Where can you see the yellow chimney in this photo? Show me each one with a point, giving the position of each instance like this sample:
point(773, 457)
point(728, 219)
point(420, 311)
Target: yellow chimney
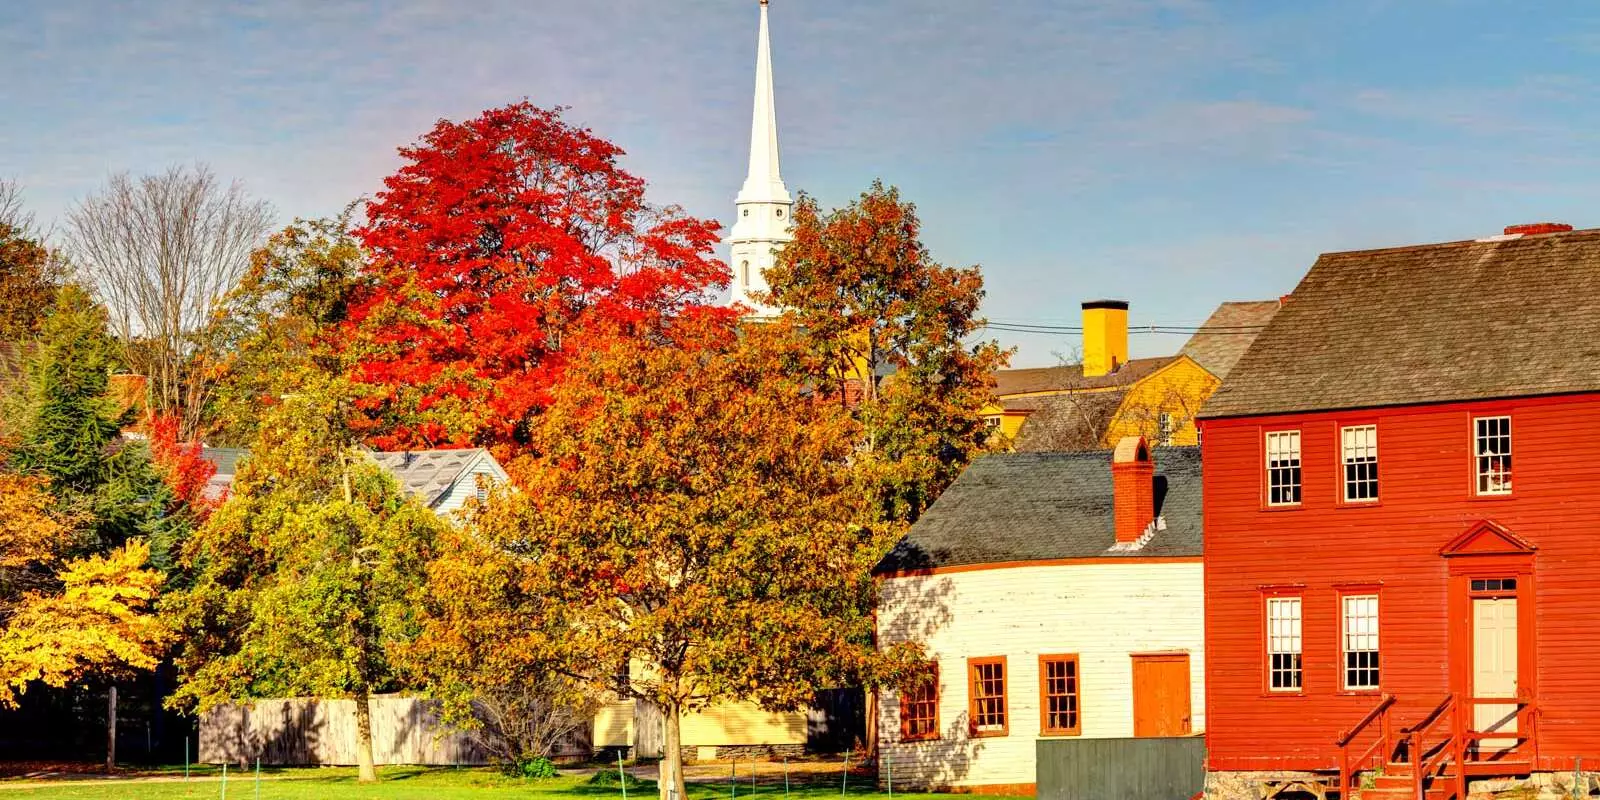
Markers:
point(1105, 336)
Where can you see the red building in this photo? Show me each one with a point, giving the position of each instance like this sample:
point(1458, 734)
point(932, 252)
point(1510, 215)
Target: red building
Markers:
point(1402, 516)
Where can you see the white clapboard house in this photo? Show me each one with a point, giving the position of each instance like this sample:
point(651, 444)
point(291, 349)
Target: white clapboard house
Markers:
point(1057, 595)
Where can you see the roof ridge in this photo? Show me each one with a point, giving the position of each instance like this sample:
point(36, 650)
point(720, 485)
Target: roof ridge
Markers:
point(1460, 242)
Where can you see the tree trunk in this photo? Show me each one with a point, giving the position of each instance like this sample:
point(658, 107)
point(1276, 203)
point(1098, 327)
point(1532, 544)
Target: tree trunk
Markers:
point(671, 778)
point(871, 720)
point(367, 773)
point(111, 729)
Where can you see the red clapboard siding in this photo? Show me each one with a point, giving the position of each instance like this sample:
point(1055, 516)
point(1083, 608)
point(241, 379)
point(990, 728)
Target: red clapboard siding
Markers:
point(1425, 475)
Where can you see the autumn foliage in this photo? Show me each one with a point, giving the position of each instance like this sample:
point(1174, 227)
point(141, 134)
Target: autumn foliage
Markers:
point(693, 516)
point(497, 242)
point(182, 465)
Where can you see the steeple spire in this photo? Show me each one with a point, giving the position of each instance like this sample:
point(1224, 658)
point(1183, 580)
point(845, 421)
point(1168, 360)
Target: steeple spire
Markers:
point(762, 224)
point(764, 183)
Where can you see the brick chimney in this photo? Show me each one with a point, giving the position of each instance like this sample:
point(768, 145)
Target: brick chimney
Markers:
point(1105, 336)
point(1133, 503)
point(1534, 228)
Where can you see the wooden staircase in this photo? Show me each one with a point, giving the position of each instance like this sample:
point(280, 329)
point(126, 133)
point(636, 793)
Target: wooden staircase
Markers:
point(1432, 759)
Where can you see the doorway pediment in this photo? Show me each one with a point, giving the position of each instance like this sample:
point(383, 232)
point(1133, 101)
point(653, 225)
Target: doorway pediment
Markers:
point(1487, 538)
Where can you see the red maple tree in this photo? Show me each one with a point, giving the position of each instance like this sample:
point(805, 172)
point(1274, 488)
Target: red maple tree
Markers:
point(493, 249)
point(182, 465)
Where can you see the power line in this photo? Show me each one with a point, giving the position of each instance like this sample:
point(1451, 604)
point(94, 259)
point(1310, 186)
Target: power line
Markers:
point(1219, 330)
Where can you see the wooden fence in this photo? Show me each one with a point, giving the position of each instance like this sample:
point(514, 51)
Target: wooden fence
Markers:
point(302, 731)
point(1126, 769)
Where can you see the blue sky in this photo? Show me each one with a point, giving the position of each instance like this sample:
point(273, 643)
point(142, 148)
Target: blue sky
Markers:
point(1175, 153)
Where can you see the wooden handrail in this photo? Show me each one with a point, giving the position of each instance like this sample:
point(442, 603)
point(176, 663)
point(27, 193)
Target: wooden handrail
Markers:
point(1377, 711)
point(1433, 716)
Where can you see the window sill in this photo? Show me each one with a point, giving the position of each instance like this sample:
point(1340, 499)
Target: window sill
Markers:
point(916, 739)
point(1299, 693)
point(1491, 498)
point(1360, 504)
point(1359, 692)
point(1295, 507)
point(988, 734)
point(1059, 734)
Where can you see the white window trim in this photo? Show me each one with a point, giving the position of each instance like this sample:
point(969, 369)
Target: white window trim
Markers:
point(1365, 449)
point(1483, 482)
point(1291, 449)
point(1372, 637)
point(1286, 636)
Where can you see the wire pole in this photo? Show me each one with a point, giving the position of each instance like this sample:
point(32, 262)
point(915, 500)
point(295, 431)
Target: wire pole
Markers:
point(785, 778)
point(844, 775)
point(622, 777)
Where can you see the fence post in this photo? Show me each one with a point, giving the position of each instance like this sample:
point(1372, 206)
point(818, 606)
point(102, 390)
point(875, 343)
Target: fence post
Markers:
point(224, 780)
point(844, 775)
point(622, 777)
point(752, 777)
point(785, 778)
point(733, 779)
point(258, 777)
point(186, 758)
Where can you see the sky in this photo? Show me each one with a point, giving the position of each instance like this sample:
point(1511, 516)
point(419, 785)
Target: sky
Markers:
point(1172, 153)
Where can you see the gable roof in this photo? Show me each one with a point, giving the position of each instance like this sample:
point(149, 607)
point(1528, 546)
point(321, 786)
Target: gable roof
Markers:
point(1503, 317)
point(1225, 335)
point(1069, 377)
point(1041, 506)
point(1072, 421)
point(428, 474)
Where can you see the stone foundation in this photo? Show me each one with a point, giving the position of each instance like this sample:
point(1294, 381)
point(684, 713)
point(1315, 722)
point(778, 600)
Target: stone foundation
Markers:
point(1538, 786)
point(743, 752)
point(1247, 785)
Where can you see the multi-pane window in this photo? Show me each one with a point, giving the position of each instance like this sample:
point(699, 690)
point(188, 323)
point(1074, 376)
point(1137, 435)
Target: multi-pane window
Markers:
point(988, 711)
point(1494, 584)
point(1361, 641)
point(1058, 693)
point(1167, 425)
point(1283, 468)
point(1492, 445)
point(919, 708)
point(1360, 445)
point(1283, 644)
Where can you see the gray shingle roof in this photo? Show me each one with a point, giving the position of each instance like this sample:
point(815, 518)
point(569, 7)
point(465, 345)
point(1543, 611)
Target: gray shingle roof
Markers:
point(1507, 317)
point(1073, 421)
point(428, 474)
point(1225, 336)
point(1046, 379)
point(1036, 506)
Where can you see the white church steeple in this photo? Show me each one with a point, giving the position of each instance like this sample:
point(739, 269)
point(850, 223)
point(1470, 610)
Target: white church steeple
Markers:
point(763, 204)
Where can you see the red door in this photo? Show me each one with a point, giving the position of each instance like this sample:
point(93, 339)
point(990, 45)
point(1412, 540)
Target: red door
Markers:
point(1161, 695)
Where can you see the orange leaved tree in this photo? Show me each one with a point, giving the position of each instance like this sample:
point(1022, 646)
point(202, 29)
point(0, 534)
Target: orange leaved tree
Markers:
point(693, 526)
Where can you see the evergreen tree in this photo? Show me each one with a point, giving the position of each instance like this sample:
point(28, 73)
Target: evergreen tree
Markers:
point(66, 428)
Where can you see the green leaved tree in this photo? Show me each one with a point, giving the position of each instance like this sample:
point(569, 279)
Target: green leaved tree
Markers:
point(64, 426)
point(303, 582)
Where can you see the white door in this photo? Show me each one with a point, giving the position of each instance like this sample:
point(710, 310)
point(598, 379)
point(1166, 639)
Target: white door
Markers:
point(1494, 668)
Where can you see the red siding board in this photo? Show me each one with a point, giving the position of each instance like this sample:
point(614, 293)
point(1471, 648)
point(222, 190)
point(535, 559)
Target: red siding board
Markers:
point(1425, 475)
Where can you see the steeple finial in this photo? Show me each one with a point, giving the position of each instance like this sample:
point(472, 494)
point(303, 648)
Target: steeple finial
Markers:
point(764, 183)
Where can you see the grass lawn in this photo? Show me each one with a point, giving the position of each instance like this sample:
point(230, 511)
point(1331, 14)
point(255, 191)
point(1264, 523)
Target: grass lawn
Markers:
point(399, 783)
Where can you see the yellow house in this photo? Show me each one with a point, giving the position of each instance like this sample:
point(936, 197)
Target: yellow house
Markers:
point(1091, 405)
point(726, 730)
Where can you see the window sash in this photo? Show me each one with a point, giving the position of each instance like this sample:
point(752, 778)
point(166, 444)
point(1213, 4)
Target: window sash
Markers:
point(1359, 637)
point(1492, 454)
point(1059, 694)
point(1360, 459)
point(988, 681)
point(1284, 643)
point(919, 709)
point(1283, 468)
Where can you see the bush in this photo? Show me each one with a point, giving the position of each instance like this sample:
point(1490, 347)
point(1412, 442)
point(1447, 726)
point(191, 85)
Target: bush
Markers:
point(536, 767)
